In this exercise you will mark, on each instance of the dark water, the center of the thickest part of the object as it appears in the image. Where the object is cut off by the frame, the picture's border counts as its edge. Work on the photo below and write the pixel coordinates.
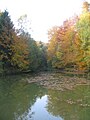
(22, 101)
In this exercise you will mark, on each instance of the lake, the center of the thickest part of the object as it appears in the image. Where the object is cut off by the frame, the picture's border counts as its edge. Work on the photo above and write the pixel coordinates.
(22, 101)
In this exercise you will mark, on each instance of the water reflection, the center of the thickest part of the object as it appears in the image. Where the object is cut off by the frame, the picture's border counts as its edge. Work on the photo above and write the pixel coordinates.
(22, 101)
(38, 111)
(16, 98)
(71, 105)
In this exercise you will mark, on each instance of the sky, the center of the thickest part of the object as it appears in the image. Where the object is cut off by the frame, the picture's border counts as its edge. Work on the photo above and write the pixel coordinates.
(43, 14)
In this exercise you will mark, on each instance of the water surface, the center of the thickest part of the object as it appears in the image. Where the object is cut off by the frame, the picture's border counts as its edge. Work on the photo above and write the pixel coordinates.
(22, 101)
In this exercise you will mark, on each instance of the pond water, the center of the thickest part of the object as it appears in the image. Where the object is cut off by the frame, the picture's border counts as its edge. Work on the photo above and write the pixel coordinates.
(22, 101)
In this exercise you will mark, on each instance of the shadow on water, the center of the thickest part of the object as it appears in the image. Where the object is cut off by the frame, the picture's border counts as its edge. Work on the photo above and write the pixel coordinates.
(22, 101)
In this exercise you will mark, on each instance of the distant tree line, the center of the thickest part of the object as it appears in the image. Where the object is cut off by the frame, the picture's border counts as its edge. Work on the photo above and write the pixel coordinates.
(68, 46)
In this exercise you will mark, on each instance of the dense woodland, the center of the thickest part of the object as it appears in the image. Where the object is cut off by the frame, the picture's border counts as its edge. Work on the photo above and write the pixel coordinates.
(68, 46)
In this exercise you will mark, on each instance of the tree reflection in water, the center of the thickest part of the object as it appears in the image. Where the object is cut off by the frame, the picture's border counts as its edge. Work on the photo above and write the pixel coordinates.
(22, 101)
(16, 98)
(70, 105)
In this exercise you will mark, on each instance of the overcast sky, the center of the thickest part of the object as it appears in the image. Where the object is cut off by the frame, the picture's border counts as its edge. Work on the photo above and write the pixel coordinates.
(43, 14)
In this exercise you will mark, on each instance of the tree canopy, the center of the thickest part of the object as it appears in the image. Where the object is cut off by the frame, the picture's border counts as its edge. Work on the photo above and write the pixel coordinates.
(68, 46)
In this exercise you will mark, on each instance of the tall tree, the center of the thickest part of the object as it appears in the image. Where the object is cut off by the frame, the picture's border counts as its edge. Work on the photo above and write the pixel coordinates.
(52, 46)
(62, 47)
(6, 38)
(33, 56)
(42, 55)
(20, 50)
(83, 29)
(13, 47)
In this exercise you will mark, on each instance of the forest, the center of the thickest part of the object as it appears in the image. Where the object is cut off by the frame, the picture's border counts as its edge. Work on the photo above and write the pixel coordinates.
(68, 46)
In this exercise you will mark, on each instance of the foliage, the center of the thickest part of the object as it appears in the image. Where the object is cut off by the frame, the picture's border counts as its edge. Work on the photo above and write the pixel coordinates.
(42, 55)
(33, 55)
(83, 29)
(20, 50)
(6, 39)
(61, 48)
(12, 47)
(69, 44)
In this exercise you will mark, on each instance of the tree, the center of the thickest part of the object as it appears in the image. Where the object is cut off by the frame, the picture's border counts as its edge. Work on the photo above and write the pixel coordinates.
(20, 50)
(52, 46)
(23, 24)
(6, 39)
(33, 56)
(62, 47)
(67, 42)
(83, 29)
(42, 55)
(13, 46)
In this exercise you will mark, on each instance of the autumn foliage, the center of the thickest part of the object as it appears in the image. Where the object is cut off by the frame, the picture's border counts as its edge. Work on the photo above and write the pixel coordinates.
(69, 44)
(18, 51)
